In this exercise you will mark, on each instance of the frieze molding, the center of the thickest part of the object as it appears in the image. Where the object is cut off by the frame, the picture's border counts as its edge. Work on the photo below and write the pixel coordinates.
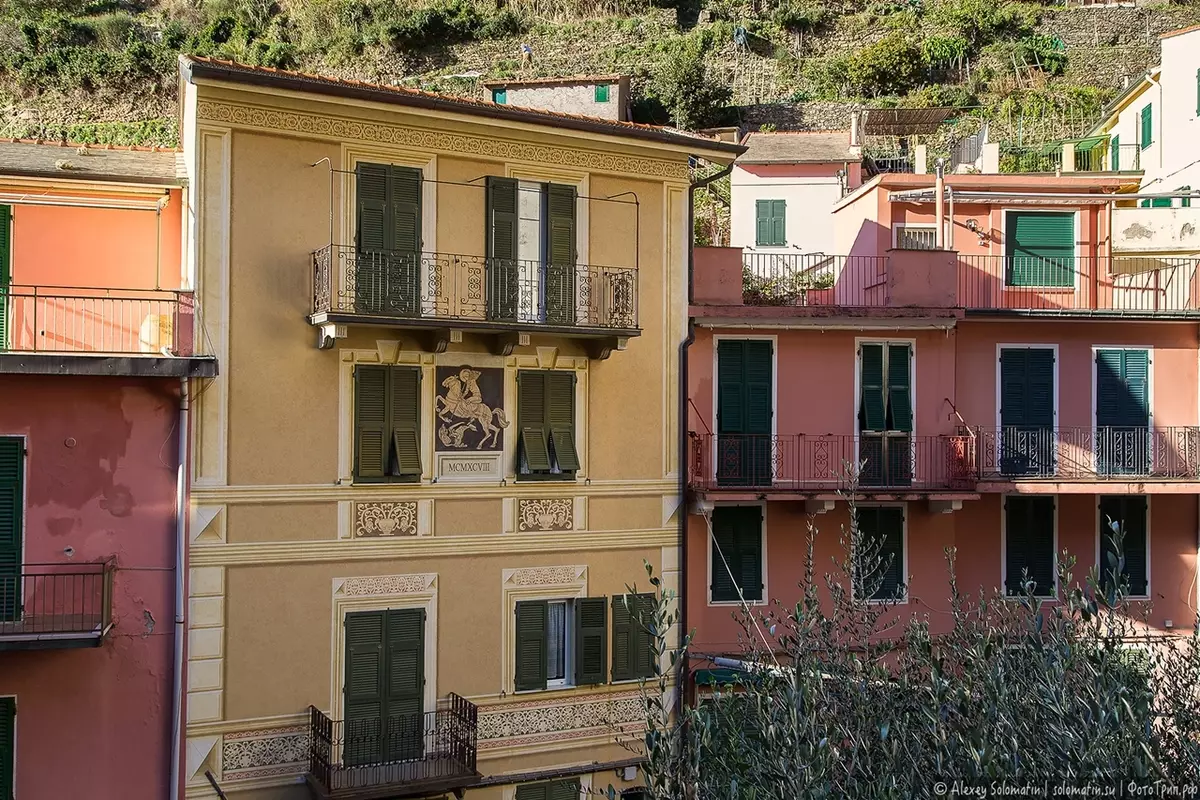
(386, 585)
(558, 720)
(265, 753)
(550, 514)
(545, 576)
(385, 519)
(441, 141)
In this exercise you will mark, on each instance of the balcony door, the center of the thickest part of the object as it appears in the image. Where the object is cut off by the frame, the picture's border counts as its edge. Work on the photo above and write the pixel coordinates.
(387, 259)
(1027, 408)
(1122, 412)
(384, 687)
(12, 501)
(885, 414)
(745, 409)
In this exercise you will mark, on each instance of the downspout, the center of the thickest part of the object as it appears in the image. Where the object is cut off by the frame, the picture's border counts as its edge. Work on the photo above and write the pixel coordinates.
(180, 565)
(940, 209)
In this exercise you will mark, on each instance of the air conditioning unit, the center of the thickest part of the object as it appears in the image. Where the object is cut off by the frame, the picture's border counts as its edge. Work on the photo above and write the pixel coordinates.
(157, 333)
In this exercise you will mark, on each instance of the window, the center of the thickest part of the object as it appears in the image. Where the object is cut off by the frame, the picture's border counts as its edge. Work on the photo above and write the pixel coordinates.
(771, 230)
(745, 410)
(5, 270)
(1122, 412)
(880, 567)
(1156, 202)
(12, 523)
(1027, 411)
(1116, 153)
(1040, 248)
(913, 237)
(1029, 544)
(633, 636)
(737, 554)
(550, 790)
(387, 263)
(1185, 202)
(1147, 126)
(531, 254)
(384, 686)
(8, 730)
(500, 96)
(1128, 514)
(885, 414)
(561, 643)
(387, 414)
(546, 425)
(602, 93)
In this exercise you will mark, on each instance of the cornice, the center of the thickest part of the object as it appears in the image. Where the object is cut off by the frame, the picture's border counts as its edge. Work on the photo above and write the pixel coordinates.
(367, 493)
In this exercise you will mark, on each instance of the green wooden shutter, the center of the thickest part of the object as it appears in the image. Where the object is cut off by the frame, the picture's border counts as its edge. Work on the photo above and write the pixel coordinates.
(8, 745)
(731, 393)
(624, 642)
(726, 556)
(534, 444)
(779, 222)
(1027, 387)
(643, 635)
(503, 271)
(762, 222)
(1029, 543)
(750, 554)
(1147, 126)
(404, 232)
(872, 405)
(560, 418)
(371, 432)
(758, 385)
(563, 790)
(406, 419)
(1040, 246)
(885, 524)
(500, 96)
(1185, 202)
(364, 688)
(373, 238)
(591, 640)
(1129, 513)
(405, 684)
(601, 94)
(1115, 145)
(745, 401)
(560, 266)
(531, 645)
(1122, 388)
(533, 791)
(5, 271)
(12, 523)
(899, 388)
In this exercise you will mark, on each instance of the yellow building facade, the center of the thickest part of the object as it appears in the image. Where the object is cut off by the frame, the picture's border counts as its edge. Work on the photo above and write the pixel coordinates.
(443, 442)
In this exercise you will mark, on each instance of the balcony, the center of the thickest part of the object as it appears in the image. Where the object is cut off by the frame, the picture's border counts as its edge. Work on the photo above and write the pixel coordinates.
(1086, 455)
(803, 466)
(56, 606)
(1088, 155)
(419, 755)
(446, 294)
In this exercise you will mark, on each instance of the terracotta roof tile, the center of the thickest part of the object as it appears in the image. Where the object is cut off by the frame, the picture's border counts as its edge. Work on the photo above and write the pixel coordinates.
(797, 147)
(1180, 32)
(568, 80)
(40, 158)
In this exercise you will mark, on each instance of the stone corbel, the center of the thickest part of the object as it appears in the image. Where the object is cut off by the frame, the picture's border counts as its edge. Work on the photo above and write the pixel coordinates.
(600, 349)
(506, 342)
(440, 338)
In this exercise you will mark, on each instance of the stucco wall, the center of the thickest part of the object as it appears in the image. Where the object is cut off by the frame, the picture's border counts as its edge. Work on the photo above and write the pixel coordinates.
(100, 482)
(570, 99)
(809, 190)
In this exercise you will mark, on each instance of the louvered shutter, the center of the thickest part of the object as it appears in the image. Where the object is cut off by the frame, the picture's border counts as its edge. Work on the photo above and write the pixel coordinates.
(373, 237)
(364, 688)
(731, 393)
(762, 220)
(371, 433)
(406, 419)
(623, 644)
(1116, 153)
(1129, 513)
(404, 232)
(560, 418)
(560, 269)
(531, 645)
(885, 525)
(1040, 246)
(1027, 411)
(405, 684)
(757, 385)
(899, 388)
(12, 521)
(643, 635)
(1029, 543)
(5, 271)
(779, 222)
(8, 745)
(533, 791)
(534, 444)
(726, 555)
(872, 408)
(1147, 126)
(1122, 411)
(564, 790)
(750, 550)
(745, 399)
(503, 271)
(591, 640)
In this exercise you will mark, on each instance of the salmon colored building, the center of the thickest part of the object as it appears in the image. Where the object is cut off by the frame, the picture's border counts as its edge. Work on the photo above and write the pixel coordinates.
(1007, 385)
(95, 358)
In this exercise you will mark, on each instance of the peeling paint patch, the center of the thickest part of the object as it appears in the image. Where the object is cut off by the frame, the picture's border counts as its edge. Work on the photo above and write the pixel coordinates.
(60, 526)
(148, 621)
(1137, 231)
(1187, 231)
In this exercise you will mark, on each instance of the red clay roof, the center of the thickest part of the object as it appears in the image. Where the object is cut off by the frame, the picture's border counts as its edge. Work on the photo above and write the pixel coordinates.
(1180, 32)
(562, 81)
(102, 163)
(217, 69)
(1067, 182)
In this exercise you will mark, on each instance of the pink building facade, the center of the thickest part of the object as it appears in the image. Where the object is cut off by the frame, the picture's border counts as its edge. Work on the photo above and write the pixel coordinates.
(1008, 390)
(95, 359)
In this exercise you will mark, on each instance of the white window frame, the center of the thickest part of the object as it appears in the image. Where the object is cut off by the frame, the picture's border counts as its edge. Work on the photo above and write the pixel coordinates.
(1100, 544)
(710, 540)
(567, 681)
(515, 589)
(1004, 547)
(899, 228)
(1080, 257)
(904, 598)
(1149, 349)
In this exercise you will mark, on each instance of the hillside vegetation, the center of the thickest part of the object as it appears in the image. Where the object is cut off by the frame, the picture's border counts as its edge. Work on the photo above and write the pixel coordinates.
(105, 70)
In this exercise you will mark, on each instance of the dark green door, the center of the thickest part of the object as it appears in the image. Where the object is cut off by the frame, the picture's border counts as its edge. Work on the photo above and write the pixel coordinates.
(388, 258)
(8, 745)
(12, 496)
(745, 398)
(385, 686)
(1040, 246)
(560, 248)
(1122, 412)
(5, 271)
(1027, 441)
(504, 295)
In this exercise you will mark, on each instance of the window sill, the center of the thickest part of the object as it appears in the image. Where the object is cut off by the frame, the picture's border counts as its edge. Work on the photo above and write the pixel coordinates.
(386, 481)
(731, 603)
(563, 477)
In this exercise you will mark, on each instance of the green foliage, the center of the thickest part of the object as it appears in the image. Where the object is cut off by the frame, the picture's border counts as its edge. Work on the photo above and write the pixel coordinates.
(783, 287)
(1046, 51)
(981, 21)
(940, 51)
(687, 90)
(892, 65)
(800, 17)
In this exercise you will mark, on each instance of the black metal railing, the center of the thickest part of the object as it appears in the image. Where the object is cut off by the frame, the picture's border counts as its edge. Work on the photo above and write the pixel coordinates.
(813, 279)
(56, 600)
(1102, 453)
(823, 463)
(66, 319)
(437, 748)
(452, 287)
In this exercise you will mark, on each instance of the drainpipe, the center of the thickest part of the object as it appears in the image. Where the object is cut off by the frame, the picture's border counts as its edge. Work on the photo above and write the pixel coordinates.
(950, 234)
(180, 564)
(939, 192)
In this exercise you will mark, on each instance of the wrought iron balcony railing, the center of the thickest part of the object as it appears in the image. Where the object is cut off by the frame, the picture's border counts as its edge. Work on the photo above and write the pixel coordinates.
(440, 288)
(813, 279)
(64, 319)
(433, 752)
(1105, 453)
(45, 606)
(808, 463)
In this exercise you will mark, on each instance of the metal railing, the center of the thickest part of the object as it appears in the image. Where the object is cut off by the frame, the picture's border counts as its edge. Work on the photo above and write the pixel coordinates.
(447, 286)
(1035, 158)
(813, 279)
(1104, 453)
(56, 600)
(1120, 284)
(67, 319)
(822, 463)
(1106, 158)
(893, 162)
(435, 748)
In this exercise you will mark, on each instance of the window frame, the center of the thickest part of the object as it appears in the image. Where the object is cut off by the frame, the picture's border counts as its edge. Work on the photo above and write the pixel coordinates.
(899, 229)
(1004, 593)
(389, 426)
(526, 474)
(710, 543)
(1100, 521)
(758, 201)
(903, 597)
(856, 406)
(568, 645)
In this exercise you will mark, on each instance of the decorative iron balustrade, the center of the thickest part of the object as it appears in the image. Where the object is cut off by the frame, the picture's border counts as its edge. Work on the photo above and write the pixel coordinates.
(64, 319)
(451, 287)
(813, 279)
(824, 463)
(436, 749)
(41, 604)
(1106, 453)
